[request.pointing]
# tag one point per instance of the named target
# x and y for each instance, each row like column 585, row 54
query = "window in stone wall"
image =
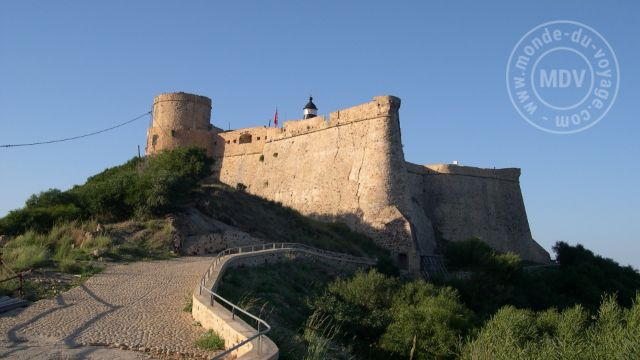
column 403, row 261
column 228, row 141
column 173, row 133
column 245, row 138
column 258, row 138
column 154, row 140
column 235, row 141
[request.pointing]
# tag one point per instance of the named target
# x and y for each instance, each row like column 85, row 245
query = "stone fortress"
column 349, row 166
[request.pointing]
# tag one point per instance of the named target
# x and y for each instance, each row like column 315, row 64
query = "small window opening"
column 245, row 138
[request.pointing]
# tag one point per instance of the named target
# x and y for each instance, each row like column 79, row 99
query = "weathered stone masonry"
column 349, row 166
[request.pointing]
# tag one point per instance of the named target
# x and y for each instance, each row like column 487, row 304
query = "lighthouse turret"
column 310, row 110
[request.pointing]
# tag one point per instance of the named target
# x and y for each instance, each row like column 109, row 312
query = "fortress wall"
column 243, row 141
column 350, row 168
column 465, row 202
column 297, row 127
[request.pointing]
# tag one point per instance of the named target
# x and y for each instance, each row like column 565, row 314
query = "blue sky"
column 72, row 67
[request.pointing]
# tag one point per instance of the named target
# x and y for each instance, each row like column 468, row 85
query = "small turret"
column 310, row 110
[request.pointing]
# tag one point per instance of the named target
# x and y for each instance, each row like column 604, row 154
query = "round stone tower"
column 180, row 119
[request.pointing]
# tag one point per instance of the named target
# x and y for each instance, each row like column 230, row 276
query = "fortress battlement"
column 504, row 174
column 349, row 166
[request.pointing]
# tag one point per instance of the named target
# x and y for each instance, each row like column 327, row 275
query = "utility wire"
column 79, row 136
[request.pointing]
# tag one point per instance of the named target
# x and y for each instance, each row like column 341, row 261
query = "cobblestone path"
column 131, row 307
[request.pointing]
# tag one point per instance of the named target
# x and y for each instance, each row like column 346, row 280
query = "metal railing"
column 284, row 246
column 234, row 309
column 263, row 247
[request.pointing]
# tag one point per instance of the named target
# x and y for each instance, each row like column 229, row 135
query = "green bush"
column 26, row 257
column 51, row 197
column 149, row 186
column 585, row 277
column 210, row 341
column 39, row 219
column 476, row 255
column 614, row 333
column 582, row 278
column 384, row 314
column 188, row 304
column 102, row 244
column 433, row 315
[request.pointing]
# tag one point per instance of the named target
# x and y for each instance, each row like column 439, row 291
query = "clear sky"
column 70, row 67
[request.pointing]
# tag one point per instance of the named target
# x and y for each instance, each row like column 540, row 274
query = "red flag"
column 275, row 118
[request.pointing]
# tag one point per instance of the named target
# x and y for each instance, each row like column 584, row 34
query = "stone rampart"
column 465, row 202
column 348, row 166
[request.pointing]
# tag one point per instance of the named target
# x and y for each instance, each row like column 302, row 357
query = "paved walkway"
column 132, row 307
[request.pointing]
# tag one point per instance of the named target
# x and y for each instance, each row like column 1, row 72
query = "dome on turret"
column 310, row 110
column 310, row 104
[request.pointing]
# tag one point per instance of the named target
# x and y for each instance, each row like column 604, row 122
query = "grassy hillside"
column 117, row 215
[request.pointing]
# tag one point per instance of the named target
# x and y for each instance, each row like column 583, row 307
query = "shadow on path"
column 69, row 340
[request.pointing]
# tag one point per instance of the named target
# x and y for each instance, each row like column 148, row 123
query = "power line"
column 79, row 136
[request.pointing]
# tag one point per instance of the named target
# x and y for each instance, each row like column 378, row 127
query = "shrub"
column 319, row 333
column 51, row 197
column 615, row 334
column 360, row 307
column 100, row 242
column 154, row 185
column 70, row 265
column 188, row 304
column 210, row 341
column 37, row 218
column 585, row 276
column 434, row 316
column 26, row 257
column 470, row 254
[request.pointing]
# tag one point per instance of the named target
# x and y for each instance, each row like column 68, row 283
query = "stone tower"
column 180, row 119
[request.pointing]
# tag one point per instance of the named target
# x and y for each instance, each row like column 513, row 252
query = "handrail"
column 234, row 307
column 263, row 247
column 274, row 246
